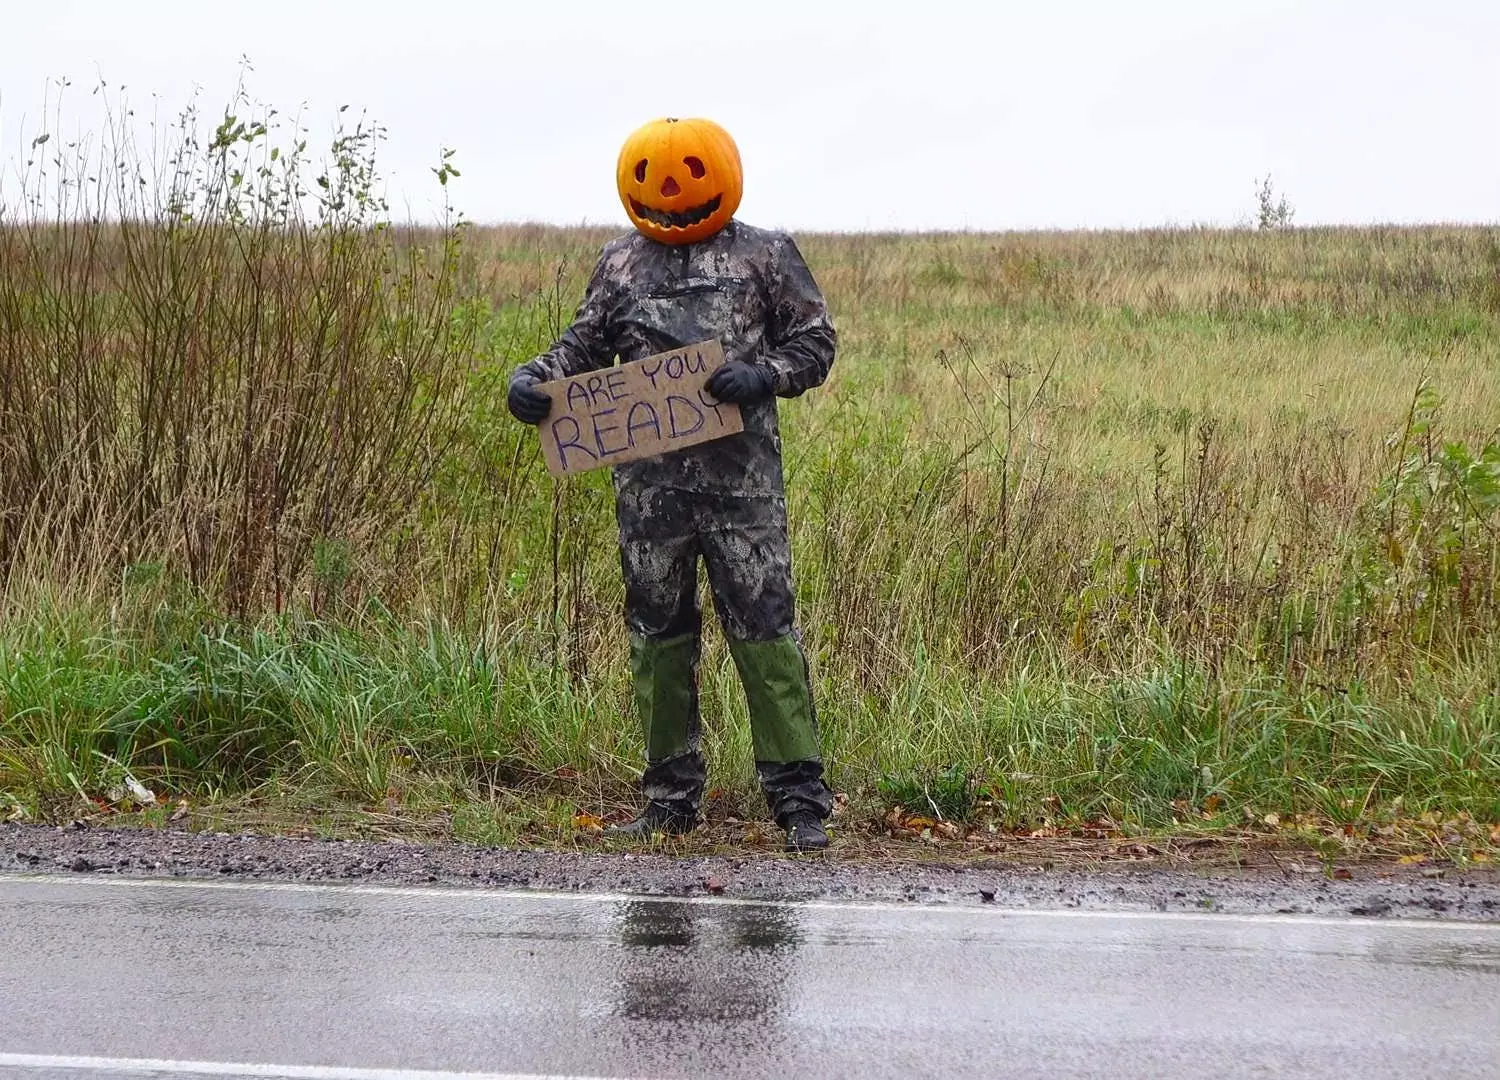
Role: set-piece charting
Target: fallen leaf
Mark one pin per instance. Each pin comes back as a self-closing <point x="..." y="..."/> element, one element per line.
<point x="1479" y="856"/>
<point x="987" y="895"/>
<point x="919" y="823"/>
<point x="1272" y="820"/>
<point x="566" y="772"/>
<point x="588" y="823"/>
<point x="713" y="884"/>
<point x="1212" y="804"/>
<point x="1411" y="860"/>
<point x="947" y="830"/>
<point x="1342" y="873"/>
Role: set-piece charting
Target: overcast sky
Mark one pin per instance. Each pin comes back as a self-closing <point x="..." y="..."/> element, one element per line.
<point x="849" y="115"/>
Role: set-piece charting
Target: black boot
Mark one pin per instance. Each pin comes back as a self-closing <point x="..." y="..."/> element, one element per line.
<point x="805" y="832"/>
<point x="656" y="818"/>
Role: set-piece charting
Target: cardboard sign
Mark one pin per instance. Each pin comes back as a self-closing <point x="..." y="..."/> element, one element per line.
<point x="637" y="410"/>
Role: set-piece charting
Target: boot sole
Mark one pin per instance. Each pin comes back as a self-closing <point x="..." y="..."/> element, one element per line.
<point x="805" y="849"/>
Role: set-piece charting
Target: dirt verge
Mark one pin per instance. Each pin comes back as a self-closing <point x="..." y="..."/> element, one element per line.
<point x="1291" y="886"/>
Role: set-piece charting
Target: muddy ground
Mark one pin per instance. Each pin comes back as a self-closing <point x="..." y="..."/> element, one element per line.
<point x="1287" y="886"/>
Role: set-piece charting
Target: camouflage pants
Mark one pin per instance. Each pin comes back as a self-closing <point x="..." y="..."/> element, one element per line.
<point x="743" y="543"/>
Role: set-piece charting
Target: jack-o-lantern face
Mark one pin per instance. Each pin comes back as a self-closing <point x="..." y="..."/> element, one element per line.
<point x="679" y="180"/>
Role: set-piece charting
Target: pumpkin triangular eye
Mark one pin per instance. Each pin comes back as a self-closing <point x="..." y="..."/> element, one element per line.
<point x="695" y="166"/>
<point x="640" y="171"/>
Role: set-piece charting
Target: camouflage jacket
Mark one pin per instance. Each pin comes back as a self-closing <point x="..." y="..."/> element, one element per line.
<point x="749" y="288"/>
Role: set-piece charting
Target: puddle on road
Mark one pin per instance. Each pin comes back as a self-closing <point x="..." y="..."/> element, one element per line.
<point x="1471" y="958"/>
<point x="680" y="963"/>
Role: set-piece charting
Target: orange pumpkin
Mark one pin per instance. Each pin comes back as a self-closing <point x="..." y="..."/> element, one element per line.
<point x="679" y="180"/>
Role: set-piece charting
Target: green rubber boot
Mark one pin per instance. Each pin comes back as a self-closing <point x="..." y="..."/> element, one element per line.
<point x="774" y="674"/>
<point x="665" y="678"/>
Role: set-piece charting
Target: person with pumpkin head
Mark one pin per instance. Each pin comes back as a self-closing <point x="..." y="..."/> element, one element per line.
<point x="691" y="271"/>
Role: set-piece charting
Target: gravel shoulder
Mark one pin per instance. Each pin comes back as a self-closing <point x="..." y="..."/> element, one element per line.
<point x="1373" y="891"/>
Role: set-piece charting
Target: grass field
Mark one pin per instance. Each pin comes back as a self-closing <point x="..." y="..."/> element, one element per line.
<point x="1115" y="532"/>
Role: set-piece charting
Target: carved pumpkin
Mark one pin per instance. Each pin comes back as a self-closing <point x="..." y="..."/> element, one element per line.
<point x="679" y="180"/>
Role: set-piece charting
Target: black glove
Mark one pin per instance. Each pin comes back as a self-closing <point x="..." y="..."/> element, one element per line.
<point x="527" y="404"/>
<point x="740" y="383"/>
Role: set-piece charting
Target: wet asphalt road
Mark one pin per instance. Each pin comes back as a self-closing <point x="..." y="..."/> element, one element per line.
<point x="102" y="977"/>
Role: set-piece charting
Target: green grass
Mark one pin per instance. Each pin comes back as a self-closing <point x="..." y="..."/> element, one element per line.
<point x="1125" y="527"/>
<point x="415" y="719"/>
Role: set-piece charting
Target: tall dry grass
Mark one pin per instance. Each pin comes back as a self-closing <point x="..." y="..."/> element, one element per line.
<point x="220" y="361"/>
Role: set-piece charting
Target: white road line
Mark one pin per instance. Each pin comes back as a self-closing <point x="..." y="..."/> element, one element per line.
<point x="232" y="1068"/>
<point x="987" y="911"/>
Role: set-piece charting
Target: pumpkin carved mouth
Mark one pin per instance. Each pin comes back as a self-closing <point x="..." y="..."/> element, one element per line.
<point x="676" y="219"/>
